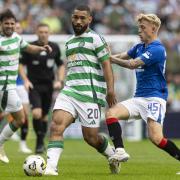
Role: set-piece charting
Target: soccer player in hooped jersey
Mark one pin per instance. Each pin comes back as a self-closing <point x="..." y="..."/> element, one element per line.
<point x="89" y="73"/>
<point x="10" y="45"/>
<point x="148" y="58"/>
<point x="23" y="94"/>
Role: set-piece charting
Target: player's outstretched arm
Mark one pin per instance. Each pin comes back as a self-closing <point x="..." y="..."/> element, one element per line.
<point x="123" y="55"/>
<point x="130" y="64"/>
<point x="33" y="49"/>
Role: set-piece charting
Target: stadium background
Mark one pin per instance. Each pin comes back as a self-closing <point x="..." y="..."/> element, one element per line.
<point x="115" y="20"/>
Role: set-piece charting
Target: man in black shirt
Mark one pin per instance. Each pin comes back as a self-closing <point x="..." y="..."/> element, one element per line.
<point x="39" y="81"/>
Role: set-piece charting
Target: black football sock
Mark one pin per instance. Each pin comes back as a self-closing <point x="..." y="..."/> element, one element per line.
<point x="24" y="130"/>
<point x="115" y="132"/>
<point x="44" y="129"/>
<point x="37" y="125"/>
<point x="170" y="148"/>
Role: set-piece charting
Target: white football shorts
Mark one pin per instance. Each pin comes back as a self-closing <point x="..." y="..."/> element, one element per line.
<point x="23" y="94"/>
<point x="88" y="113"/>
<point x="144" y="108"/>
<point x="10" y="101"/>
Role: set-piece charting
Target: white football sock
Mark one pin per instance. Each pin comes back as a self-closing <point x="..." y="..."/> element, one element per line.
<point x="6" y="133"/>
<point x="109" y="151"/>
<point x="53" y="155"/>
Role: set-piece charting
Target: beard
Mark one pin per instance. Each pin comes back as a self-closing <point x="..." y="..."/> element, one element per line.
<point x="7" y="32"/>
<point x="78" y="30"/>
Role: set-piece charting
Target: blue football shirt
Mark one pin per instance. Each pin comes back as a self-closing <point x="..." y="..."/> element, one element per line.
<point x="150" y="77"/>
<point x="19" y="81"/>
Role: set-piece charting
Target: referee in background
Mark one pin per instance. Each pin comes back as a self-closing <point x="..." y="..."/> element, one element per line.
<point x="39" y="81"/>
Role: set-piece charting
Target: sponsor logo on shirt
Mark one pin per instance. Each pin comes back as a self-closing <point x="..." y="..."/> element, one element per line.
<point x="147" y="54"/>
<point x="74" y="63"/>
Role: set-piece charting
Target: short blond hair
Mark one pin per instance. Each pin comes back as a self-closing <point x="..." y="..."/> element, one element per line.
<point x="152" y="18"/>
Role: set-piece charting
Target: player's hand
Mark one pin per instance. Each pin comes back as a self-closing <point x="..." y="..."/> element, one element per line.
<point x="112" y="58"/>
<point x="111" y="98"/>
<point x="28" y="85"/>
<point x="47" y="48"/>
<point x="58" y="85"/>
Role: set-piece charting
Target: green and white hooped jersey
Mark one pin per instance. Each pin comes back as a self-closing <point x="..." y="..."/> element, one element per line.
<point x="85" y="80"/>
<point x="9" y="60"/>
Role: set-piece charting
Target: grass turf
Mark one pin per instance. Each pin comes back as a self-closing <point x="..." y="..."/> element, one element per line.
<point x="81" y="162"/>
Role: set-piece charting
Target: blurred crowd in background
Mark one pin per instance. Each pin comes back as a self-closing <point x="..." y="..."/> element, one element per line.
<point x="109" y="17"/>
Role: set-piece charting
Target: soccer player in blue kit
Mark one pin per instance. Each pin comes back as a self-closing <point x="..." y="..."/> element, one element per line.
<point x="148" y="58"/>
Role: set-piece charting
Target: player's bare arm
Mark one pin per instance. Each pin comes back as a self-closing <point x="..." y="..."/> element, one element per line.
<point x="123" y="55"/>
<point x="130" y="64"/>
<point x="37" y="49"/>
<point x="60" y="77"/>
<point x="109" y="78"/>
<point x="22" y="73"/>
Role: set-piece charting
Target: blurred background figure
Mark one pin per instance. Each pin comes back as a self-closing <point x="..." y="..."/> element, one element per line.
<point x="23" y="94"/>
<point x="39" y="81"/>
<point x="174" y="93"/>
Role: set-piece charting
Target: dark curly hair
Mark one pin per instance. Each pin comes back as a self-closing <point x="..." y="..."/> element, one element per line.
<point x="6" y="15"/>
<point x="83" y="7"/>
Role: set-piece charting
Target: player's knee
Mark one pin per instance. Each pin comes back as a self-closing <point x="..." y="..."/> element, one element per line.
<point x="20" y="120"/>
<point x="110" y="113"/>
<point x="56" y="128"/>
<point x="53" y="127"/>
<point x="37" y="113"/>
<point x="20" y="123"/>
<point x="154" y="131"/>
<point x="45" y="118"/>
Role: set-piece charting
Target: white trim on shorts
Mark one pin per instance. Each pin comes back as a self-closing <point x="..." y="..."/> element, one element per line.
<point x="13" y="101"/>
<point x="88" y="113"/>
<point x="144" y="108"/>
<point x="23" y="94"/>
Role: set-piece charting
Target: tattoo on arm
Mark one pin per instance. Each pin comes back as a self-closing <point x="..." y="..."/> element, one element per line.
<point x="135" y="63"/>
<point x="123" y="55"/>
<point x="130" y="64"/>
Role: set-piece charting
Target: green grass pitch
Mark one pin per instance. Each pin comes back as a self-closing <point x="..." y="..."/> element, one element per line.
<point x="81" y="162"/>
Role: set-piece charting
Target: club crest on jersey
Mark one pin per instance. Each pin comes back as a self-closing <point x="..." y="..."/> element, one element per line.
<point x="81" y="44"/>
<point x="104" y="51"/>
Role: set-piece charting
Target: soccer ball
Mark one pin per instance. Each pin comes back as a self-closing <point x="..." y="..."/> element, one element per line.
<point x="34" y="165"/>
